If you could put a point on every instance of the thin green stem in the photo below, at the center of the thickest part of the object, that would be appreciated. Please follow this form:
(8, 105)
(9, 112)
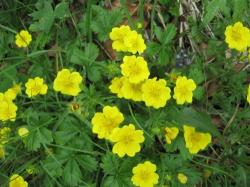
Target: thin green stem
(8, 29)
(137, 123)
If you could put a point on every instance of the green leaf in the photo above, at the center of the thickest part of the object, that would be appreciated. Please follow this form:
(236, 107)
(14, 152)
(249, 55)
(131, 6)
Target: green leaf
(110, 164)
(62, 137)
(91, 51)
(197, 75)
(85, 57)
(37, 137)
(199, 93)
(212, 10)
(168, 34)
(52, 166)
(105, 20)
(62, 10)
(72, 173)
(87, 162)
(43, 18)
(239, 8)
(94, 73)
(153, 48)
(199, 120)
(111, 181)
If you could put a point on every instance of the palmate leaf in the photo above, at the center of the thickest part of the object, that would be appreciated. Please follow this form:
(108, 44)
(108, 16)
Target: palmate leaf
(86, 56)
(167, 35)
(213, 9)
(110, 164)
(62, 10)
(43, 17)
(87, 162)
(117, 171)
(37, 137)
(72, 173)
(104, 21)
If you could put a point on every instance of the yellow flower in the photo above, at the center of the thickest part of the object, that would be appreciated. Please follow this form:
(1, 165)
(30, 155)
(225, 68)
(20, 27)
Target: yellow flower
(116, 86)
(67, 82)
(132, 91)
(183, 91)
(105, 122)
(17, 181)
(237, 36)
(7, 111)
(248, 94)
(117, 35)
(195, 141)
(23, 132)
(23, 38)
(127, 140)
(6, 96)
(171, 134)
(2, 152)
(135, 68)
(182, 178)
(144, 175)
(35, 87)
(134, 42)
(12, 92)
(155, 93)
(4, 134)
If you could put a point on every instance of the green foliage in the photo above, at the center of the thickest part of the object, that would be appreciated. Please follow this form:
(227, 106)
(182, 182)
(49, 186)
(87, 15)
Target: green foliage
(43, 17)
(72, 173)
(104, 21)
(162, 49)
(38, 137)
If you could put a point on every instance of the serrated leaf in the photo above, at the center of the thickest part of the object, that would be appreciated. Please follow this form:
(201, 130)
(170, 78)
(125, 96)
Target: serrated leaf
(168, 34)
(62, 10)
(165, 37)
(62, 137)
(110, 181)
(105, 20)
(52, 166)
(197, 75)
(110, 164)
(153, 48)
(37, 137)
(212, 10)
(72, 173)
(86, 56)
(44, 18)
(87, 162)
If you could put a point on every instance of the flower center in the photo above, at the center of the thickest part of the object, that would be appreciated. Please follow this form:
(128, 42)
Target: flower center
(144, 175)
(127, 140)
(236, 36)
(155, 92)
(195, 137)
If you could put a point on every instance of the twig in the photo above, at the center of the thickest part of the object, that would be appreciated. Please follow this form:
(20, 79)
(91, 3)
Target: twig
(232, 118)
